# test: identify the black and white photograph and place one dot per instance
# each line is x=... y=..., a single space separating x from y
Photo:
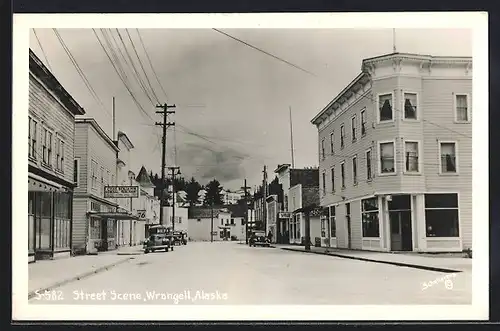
x=250 y=166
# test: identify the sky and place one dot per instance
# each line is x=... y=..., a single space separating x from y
x=232 y=101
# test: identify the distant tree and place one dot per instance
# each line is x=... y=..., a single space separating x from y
x=213 y=196
x=192 y=190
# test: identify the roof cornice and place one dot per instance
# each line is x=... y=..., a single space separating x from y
x=99 y=130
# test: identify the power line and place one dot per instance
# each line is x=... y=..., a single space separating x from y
x=267 y=53
x=312 y=74
x=142 y=67
x=151 y=64
x=117 y=71
x=80 y=71
x=41 y=47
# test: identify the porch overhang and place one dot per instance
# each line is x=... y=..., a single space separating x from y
x=40 y=184
x=113 y=215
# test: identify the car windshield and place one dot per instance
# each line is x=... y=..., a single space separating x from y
x=260 y=234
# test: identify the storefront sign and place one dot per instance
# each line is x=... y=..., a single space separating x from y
x=284 y=214
x=121 y=191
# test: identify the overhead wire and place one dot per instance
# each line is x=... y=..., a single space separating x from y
x=43 y=51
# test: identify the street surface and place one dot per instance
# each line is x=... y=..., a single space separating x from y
x=230 y=273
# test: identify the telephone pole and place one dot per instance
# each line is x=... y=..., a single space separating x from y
x=264 y=191
x=164 y=126
x=173 y=174
x=246 y=211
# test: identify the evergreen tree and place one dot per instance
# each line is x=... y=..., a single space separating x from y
x=213 y=196
x=192 y=189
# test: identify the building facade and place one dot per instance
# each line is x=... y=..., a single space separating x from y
x=147 y=211
x=207 y=223
x=51 y=130
x=395 y=155
x=94 y=216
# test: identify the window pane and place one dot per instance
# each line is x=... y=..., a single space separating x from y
x=385 y=104
x=387 y=157
x=370 y=224
x=410 y=105
x=400 y=202
x=45 y=233
x=441 y=201
x=411 y=156
x=333 y=229
x=45 y=204
x=370 y=204
x=441 y=222
x=461 y=104
x=31 y=232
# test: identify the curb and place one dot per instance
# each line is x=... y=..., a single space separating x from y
x=399 y=264
x=78 y=277
x=130 y=253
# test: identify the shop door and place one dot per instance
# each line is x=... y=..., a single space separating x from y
x=400 y=223
x=104 y=234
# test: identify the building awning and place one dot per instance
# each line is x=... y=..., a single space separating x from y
x=40 y=184
x=113 y=215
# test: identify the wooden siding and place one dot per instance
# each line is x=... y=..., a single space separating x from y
x=439 y=108
x=48 y=112
x=81 y=152
x=80 y=223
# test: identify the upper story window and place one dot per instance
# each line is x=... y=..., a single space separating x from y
x=332 y=171
x=355 y=170
x=387 y=154
x=76 y=171
x=385 y=110
x=462 y=108
x=342 y=174
x=368 y=164
x=32 y=138
x=323 y=148
x=323 y=182
x=46 y=147
x=410 y=106
x=342 y=136
x=332 y=141
x=363 y=122
x=93 y=174
x=448 y=157
x=411 y=156
x=102 y=180
x=59 y=154
x=353 y=128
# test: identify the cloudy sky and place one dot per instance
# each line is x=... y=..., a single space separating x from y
x=232 y=101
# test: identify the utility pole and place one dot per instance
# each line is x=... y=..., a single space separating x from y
x=264 y=207
x=291 y=137
x=246 y=211
x=173 y=174
x=164 y=125
x=212 y=223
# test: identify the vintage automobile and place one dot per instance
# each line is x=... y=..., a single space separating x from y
x=259 y=238
x=180 y=238
x=159 y=238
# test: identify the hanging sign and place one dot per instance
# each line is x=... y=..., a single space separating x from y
x=284 y=214
x=121 y=191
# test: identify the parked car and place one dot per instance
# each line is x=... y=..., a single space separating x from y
x=259 y=238
x=158 y=238
x=180 y=238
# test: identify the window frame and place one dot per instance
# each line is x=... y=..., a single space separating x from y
x=354 y=128
x=354 y=165
x=76 y=170
x=322 y=149
x=369 y=170
x=332 y=179
x=60 y=154
x=330 y=218
x=32 y=126
x=379 y=157
x=362 y=114
x=332 y=142
x=420 y=158
x=392 y=107
x=342 y=175
x=93 y=174
x=469 y=108
x=444 y=208
x=417 y=112
x=47 y=147
x=377 y=212
x=323 y=179
x=342 y=136
x=441 y=173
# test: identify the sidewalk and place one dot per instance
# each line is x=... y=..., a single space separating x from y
x=125 y=250
x=411 y=259
x=47 y=274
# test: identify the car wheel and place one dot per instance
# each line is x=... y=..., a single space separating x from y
x=146 y=251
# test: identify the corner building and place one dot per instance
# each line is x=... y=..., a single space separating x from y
x=395 y=155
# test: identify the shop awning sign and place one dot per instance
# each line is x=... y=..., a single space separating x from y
x=121 y=191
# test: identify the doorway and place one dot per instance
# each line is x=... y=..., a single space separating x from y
x=104 y=234
x=400 y=223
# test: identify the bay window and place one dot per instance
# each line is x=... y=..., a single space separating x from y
x=441 y=215
x=385 y=107
x=448 y=157
x=411 y=156
x=369 y=217
x=410 y=106
x=387 y=153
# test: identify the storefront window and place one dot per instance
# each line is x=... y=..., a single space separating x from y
x=370 y=218
x=43 y=207
x=95 y=228
x=111 y=228
x=333 y=228
x=441 y=215
x=62 y=219
x=31 y=221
